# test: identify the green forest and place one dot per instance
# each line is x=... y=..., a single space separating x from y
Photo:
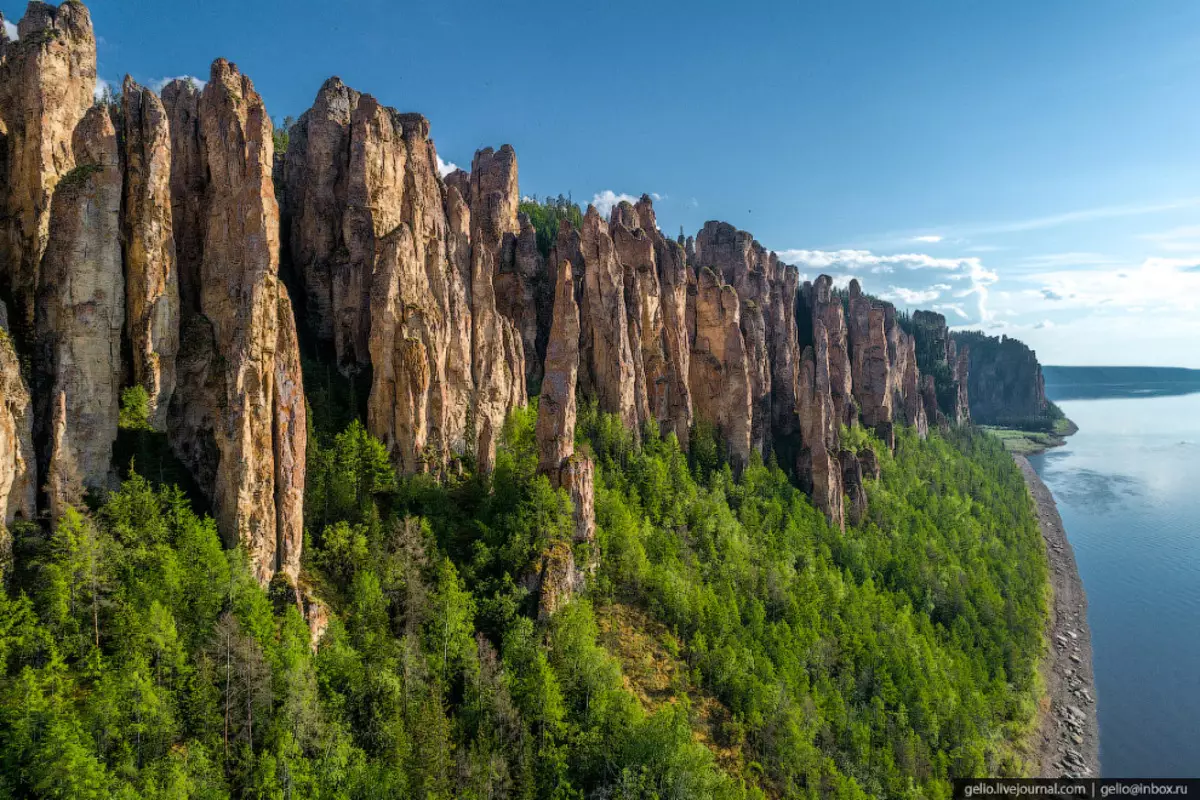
x=730 y=644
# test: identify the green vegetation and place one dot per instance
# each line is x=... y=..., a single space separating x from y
x=135 y=409
x=731 y=645
x=1029 y=440
x=546 y=215
x=281 y=134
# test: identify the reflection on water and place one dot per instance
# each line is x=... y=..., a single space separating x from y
x=1128 y=488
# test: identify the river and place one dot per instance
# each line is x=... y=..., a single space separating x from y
x=1128 y=488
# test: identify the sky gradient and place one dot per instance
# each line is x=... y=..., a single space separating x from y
x=1026 y=167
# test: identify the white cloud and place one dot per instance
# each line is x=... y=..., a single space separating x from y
x=955 y=307
x=11 y=29
x=445 y=167
x=1185 y=238
x=913 y=278
x=1171 y=286
x=102 y=87
x=929 y=239
x=1072 y=217
x=158 y=83
x=604 y=201
x=1044 y=324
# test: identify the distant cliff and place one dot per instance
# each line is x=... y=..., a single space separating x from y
x=1005 y=382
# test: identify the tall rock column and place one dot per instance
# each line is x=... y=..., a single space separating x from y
x=151 y=280
x=317 y=184
x=188 y=183
x=18 y=468
x=497 y=350
x=238 y=416
x=870 y=364
x=47 y=79
x=720 y=377
x=556 y=445
x=612 y=363
x=822 y=402
x=80 y=315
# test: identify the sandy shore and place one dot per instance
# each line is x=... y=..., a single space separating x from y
x=1067 y=741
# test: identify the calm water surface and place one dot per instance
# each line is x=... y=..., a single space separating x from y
x=1128 y=488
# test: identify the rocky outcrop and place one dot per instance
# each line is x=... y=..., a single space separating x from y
x=766 y=289
x=656 y=281
x=18 y=470
x=556 y=447
x=719 y=376
x=419 y=317
x=610 y=354
x=870 y=365
x=237 y=419
x=497 y=355
x=886 y=378
x=556 y=405
x=181 y=101
x=938 y=356
x=151 y=280
x=820 y=387
x=47 y=79
x=852 y=482
x=517 y=279
x=80 y=315
x=1005 y=385
x=317 y=184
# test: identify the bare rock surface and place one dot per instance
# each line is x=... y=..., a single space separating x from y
x=47 y=80
x=720 y=378
x=18 y=467
x=151 y=278
x=80 y=316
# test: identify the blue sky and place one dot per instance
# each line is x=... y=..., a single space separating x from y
x=1029 y=166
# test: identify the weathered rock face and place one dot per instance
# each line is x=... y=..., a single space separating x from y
x=151 y=279
x=670 y=393
x=482 y=228
x=47 y=79
x=852 y=481
x=316 y=179
x=611 y=355
x=907 y=405
x=870 y=365
x=556 y=406
x=80 y=314
x=820 y=305
x=516 y=283
x=818 y=467
x=556 y=447
x=1004 y=379
x=18 y=469
x=419 y=316
x=181 y=101
x=720 y=376
x=238 y=416
x=938 y=356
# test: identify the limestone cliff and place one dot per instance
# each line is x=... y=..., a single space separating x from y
x=18 y=469
x=151 y=279
x=47 y=79
x=720 y=373
x=823 y=397
x=609 y=352
x=938 y=356
x=1004 y=384
x=80 y=316
x=237 y=419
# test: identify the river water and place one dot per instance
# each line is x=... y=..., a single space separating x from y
x=1128 y=489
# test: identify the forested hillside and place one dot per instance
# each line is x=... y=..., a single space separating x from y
x=731 y=644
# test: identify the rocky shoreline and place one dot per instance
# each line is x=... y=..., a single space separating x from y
x=1066 y=742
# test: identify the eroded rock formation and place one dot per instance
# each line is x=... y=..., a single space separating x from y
x=18 y=470
x=939 y=356
x=1005 y=383
x=557 y=458
x=47 y=80
x=720 y=373
x=238 y=418
x=151 y=279
x=80 y=315
x=821 y=390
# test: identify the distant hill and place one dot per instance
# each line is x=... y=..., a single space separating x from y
x=1093 y=383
